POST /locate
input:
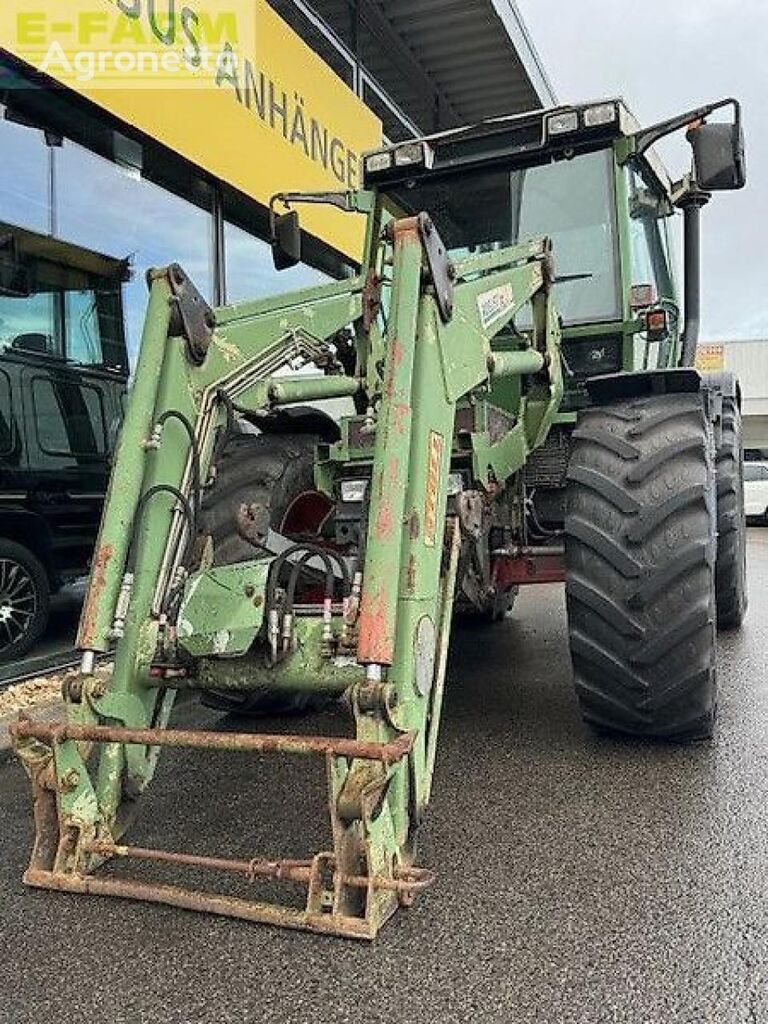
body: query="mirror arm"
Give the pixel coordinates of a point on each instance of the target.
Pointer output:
(342, 200)
(649, 136)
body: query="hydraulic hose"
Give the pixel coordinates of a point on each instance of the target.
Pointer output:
(145, 498)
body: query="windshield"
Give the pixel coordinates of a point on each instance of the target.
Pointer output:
(572, 202)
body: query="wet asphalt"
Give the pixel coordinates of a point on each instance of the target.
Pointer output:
(580, 879)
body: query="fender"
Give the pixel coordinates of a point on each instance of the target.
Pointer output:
(724, 383)
(298, 419)
(613, 386)
(29, 529)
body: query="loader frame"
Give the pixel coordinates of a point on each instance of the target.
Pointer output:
(385, 648)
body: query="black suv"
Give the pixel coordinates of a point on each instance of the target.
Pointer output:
(63, 378)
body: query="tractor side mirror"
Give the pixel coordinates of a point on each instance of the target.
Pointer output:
(286, 240)
(718, 156)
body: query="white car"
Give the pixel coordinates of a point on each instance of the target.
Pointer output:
(756, 489)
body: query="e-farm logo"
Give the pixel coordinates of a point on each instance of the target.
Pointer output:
(134, 43)
(161, 44)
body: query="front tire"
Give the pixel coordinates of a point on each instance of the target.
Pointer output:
(268, 473)
(731, 568)
(640, 551)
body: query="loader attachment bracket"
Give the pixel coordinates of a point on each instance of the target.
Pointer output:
(441, 269)
(351, 890)
(191, 316)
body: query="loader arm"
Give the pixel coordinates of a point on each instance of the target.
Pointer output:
(176, 622)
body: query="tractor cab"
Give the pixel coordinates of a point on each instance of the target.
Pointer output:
(589, 179)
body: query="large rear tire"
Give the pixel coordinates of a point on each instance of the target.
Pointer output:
(269, 473)
(640, 549)
(731, 568)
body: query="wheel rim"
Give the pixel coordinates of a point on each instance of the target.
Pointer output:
(18, 602)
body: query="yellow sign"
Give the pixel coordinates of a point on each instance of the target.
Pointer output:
(710, 357)
(225, 83)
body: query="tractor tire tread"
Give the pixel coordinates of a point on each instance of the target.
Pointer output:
(640, 547)
(730, 572)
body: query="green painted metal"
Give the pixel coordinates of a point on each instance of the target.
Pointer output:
(312, 389)
(179, 623)
(223, 609)
(390, 659)
(515, 364)
(389, 484)
(308, 670)
(125, 486)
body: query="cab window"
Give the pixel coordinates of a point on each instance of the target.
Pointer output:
(648, 236)
(572, 202)
(50, 307)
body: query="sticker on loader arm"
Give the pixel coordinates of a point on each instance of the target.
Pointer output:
(435, 459)
(495, 303)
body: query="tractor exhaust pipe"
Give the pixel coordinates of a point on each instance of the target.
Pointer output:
(691, 204)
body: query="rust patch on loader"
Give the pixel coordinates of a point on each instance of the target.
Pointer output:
(98, 581)
(410, 575)
(385, 521)
(376, 641)
(401, 411)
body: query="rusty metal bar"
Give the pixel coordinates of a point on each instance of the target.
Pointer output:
(339, 746)
(206, 902)
(278, 870)
(407, 880)
(545, 565)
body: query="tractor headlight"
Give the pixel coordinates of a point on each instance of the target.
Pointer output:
(564, 123)
(384, 162)
(353, 491)
(601, 114)
(414, 154)
(375, 163)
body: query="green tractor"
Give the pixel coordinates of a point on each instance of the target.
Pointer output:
(525, 410)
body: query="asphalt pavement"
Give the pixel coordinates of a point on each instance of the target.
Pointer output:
(580, 879)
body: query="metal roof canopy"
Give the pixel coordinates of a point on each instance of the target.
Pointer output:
(444, 63)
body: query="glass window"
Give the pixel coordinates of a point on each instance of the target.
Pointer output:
(251, 273)
(28, 323)
(754, 471)
(24, 177)
(571, 202)
(62, 316)
(93, 326)
(83, 337)
(69, 417)
(117, 213)
(648, 236)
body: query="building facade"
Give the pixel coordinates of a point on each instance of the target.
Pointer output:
(143, 171)
(749, 361)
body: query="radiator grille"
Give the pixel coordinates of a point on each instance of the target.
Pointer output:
(547, 465)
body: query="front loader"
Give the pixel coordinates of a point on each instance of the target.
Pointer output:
(258, 552)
